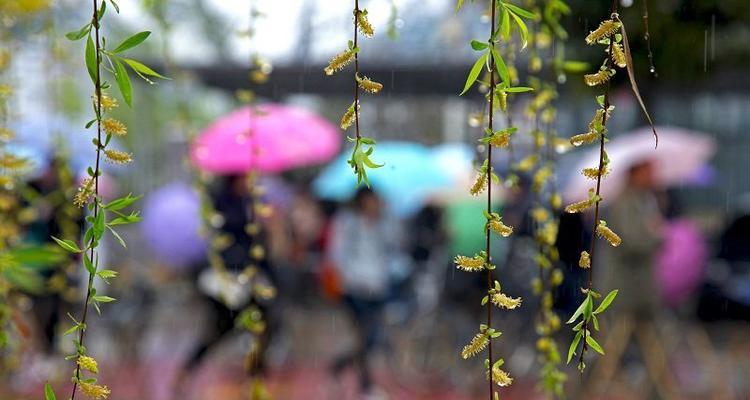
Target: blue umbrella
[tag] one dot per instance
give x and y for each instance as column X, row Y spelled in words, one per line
column 172, row 223
column 50, row 135
column 412, row 172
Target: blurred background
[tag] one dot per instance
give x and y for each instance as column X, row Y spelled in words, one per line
column 259, row 260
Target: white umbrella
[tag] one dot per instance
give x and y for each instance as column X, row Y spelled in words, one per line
column 680, row 155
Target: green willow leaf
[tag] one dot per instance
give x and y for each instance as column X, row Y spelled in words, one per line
column 574, row 345
column 132, row 41
column 92, row 63
column 518, row 89
column 49, row 394
column 594, row 344
column 67, row 244
column 123, row 202
column 142, row 69
column 474, row 73
column 478, row 46
column 606, row 302
column 520, row 11
column 523, row 30
column 123, row 82
column 505, row 24
column 502, row 69
column 79, row 34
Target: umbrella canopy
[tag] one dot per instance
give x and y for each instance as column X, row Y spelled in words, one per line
column 171, row 225
column 680, row 157
column 285, row 138
column 411, row 174
column 43, row 138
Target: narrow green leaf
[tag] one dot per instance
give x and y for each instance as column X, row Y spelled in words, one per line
column 104, row 299
column 89, row 264
column 607, row 301
column 91, row 60
column 67, row 244
column 634, row 84
column 118, row 237
column 505, row 24
column 523, row 30
column 114, row 4
column 142, row 69
column 79, row 34
column 578, row 312
column 518, row 89
column 132, row 41
column 520, row 11
column 588, row 308
column 477, row 45
column 474, row 73
column 123, row 202
column 594, row 344
column 49, row 394
column 574, row 345
column 502, row 70
column 102, row 10
column 123, row 82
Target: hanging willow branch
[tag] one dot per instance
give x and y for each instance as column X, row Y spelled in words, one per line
column 612, row 36
column 103, row 216
column 492, row 61
column 363, row 146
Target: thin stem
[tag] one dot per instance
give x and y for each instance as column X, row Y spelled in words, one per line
column 489, row 191
column 92, row 275
column 592, row 250
column 356, row 74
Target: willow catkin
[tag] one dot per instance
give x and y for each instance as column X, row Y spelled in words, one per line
column 598, row 78
column 349, row 116
column 605, row 30
column 470, row 264
column 618, row 55
column 477, row 344
column 502, row 300
column 339, row 61
column 585, row 260
column 604, row 231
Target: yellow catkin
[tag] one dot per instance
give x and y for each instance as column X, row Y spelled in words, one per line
column 499, row 140
column 580, row 206
column 108, row 103
column 88, row 363
column 85, row 192
column 339, row 61
column 93, row 391
column 349, row 116
column 112, row 126
column 480, row 184
column 618, row 55
column 605, row 30
column 500, row 377
column 118, row 157
column 504, row 301
column 363, row 24
column 477, row 344
column 584, row 138
column 368, row 85
column 470, row 264
column 5, row 90
column 598, row 78
column 496, row 225
column 594, row 173
column 585, row 260
column 603, row 231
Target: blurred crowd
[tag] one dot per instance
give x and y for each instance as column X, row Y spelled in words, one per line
column 389, row 274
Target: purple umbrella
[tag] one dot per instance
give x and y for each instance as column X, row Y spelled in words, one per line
column 171, row 224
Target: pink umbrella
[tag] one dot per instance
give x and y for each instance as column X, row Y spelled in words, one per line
column 678, row 159
column 285, row 138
